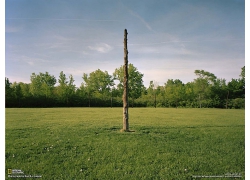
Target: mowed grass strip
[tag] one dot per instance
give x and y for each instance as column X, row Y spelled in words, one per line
column 86, row 143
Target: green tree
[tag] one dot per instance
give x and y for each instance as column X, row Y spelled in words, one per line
column 190, row 95
column 42, row 88
column 242, row 74
column 242, row 80
column 153, row 91
column 8, row 93
column 236, row 87
column 98, row 84
column 26, row 96
column 219, row 93
column 42, row 84
column 66, row 88
column 62, row 88
column 17, row 93
column 203, row 83
column 135, row 82
column 174, row 91
column 25, row 90
column 82, row 95
column 7, row 86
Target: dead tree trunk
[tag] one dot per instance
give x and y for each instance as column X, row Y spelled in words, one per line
column 125, row 85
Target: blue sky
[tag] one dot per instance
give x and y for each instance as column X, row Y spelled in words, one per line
column 167, row 39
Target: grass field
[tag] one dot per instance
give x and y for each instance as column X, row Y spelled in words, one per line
column 86, row 143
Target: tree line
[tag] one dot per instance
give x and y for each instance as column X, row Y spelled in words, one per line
column 100, row 89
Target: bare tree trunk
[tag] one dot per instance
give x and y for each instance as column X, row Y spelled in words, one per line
column 125, row 85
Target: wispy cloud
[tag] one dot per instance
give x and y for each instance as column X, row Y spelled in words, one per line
column 32, row 60
column 141, row 19
column 101, row 47
column 138, row 17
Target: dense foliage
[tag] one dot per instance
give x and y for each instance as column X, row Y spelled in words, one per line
column 99, row 89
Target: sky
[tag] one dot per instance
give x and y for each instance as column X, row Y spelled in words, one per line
column 167, row 39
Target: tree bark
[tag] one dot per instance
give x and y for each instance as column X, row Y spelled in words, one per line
column 125, row 85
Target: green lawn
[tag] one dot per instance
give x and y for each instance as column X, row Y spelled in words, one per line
column 86, row 143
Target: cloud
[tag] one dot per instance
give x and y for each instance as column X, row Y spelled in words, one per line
column 162, row 75
column 32, row 60
column 137, row 16
column 101, row 47
column 141, row 19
